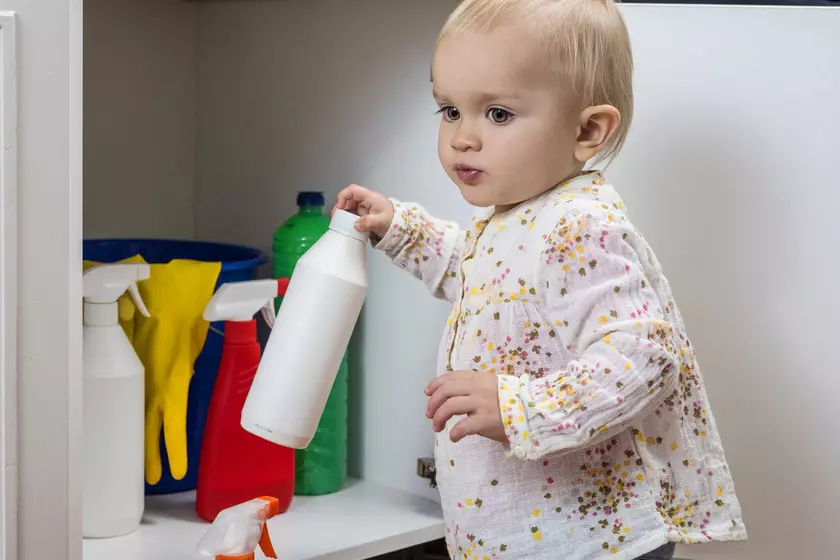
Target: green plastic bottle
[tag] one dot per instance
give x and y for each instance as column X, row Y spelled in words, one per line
column 321, row 468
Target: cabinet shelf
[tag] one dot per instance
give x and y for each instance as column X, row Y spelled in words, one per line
column 362, row 521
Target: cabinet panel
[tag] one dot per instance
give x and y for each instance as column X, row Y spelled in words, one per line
column 49, row 334
column 8, row 288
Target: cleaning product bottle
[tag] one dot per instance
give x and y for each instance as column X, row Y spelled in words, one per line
column 321, row 468
column 238, row 530
column 306, row 348
column 235, row 466
column 299, row 233
column 113, row 389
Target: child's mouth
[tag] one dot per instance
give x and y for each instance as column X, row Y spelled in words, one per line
column 468, row 175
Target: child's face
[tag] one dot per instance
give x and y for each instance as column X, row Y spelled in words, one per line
column 509, row 125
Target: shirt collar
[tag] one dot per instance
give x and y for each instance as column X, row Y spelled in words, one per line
column 579, row 183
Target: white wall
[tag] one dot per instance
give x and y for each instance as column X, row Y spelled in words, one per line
column 140, row 97
column 731, row 170
column 314, row 95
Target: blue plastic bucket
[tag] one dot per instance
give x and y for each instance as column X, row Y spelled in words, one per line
column 238, row 264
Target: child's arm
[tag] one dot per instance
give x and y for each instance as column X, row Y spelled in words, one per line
column 602, row 304
column 428, row 248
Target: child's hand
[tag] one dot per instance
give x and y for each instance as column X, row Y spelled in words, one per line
column 375, row 210
column 467, row 392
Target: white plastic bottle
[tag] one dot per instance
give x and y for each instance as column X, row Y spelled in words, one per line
column 113, row 395
column 309, row 337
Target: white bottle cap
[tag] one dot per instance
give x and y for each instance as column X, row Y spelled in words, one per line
column 345, row 223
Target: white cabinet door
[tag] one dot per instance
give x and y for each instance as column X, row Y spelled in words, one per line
column 41, row 504
column 8, row 288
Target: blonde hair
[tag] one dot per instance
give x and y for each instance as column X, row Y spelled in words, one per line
column 586, row 41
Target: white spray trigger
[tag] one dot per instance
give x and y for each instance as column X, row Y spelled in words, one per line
column 268, row 314
column 138, row 301
column 106, row 283
column 238, row 530
column 240, row 301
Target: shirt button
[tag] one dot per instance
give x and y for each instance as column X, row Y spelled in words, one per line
column 519, row 452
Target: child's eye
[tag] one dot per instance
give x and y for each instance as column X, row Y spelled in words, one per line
column 499, row 115
column 450, row 114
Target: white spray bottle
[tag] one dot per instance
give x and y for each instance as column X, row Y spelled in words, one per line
column 309, row 337
column 238, row 531
column 113, row 396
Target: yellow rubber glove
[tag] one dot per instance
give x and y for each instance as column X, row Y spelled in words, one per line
column 168, row 344
column 125, row 304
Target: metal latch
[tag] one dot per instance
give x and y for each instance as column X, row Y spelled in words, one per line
column 426, row 469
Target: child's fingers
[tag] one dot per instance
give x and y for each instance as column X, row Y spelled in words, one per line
column 448, row 377
column 437, row 382
column 469, row 426
column 369, row 223
column 444, row 392
column 364, row 208
column 450, row 408
column 350, row 197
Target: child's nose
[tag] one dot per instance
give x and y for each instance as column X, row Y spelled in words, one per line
column 465, row 138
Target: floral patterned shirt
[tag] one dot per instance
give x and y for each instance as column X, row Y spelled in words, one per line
column 613, row 450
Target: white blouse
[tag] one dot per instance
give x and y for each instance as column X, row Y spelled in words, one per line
column 613, row 450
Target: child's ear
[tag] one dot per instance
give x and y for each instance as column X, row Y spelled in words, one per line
column 596, row 126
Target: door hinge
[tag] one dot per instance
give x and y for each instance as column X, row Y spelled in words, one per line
column 426, row 469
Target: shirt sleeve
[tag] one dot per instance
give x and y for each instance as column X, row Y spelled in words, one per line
column 428, row 248
column 609, row 316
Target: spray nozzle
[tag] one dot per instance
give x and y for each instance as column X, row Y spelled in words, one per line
column 106, row 283
column 240, row 301
column 239, row 530
column 268, row 313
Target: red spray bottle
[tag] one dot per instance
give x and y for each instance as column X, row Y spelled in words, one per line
column 236, row 466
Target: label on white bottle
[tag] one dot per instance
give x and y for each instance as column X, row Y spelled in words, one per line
column 113, row 461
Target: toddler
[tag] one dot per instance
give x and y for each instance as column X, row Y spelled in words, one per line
column 571, row 414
